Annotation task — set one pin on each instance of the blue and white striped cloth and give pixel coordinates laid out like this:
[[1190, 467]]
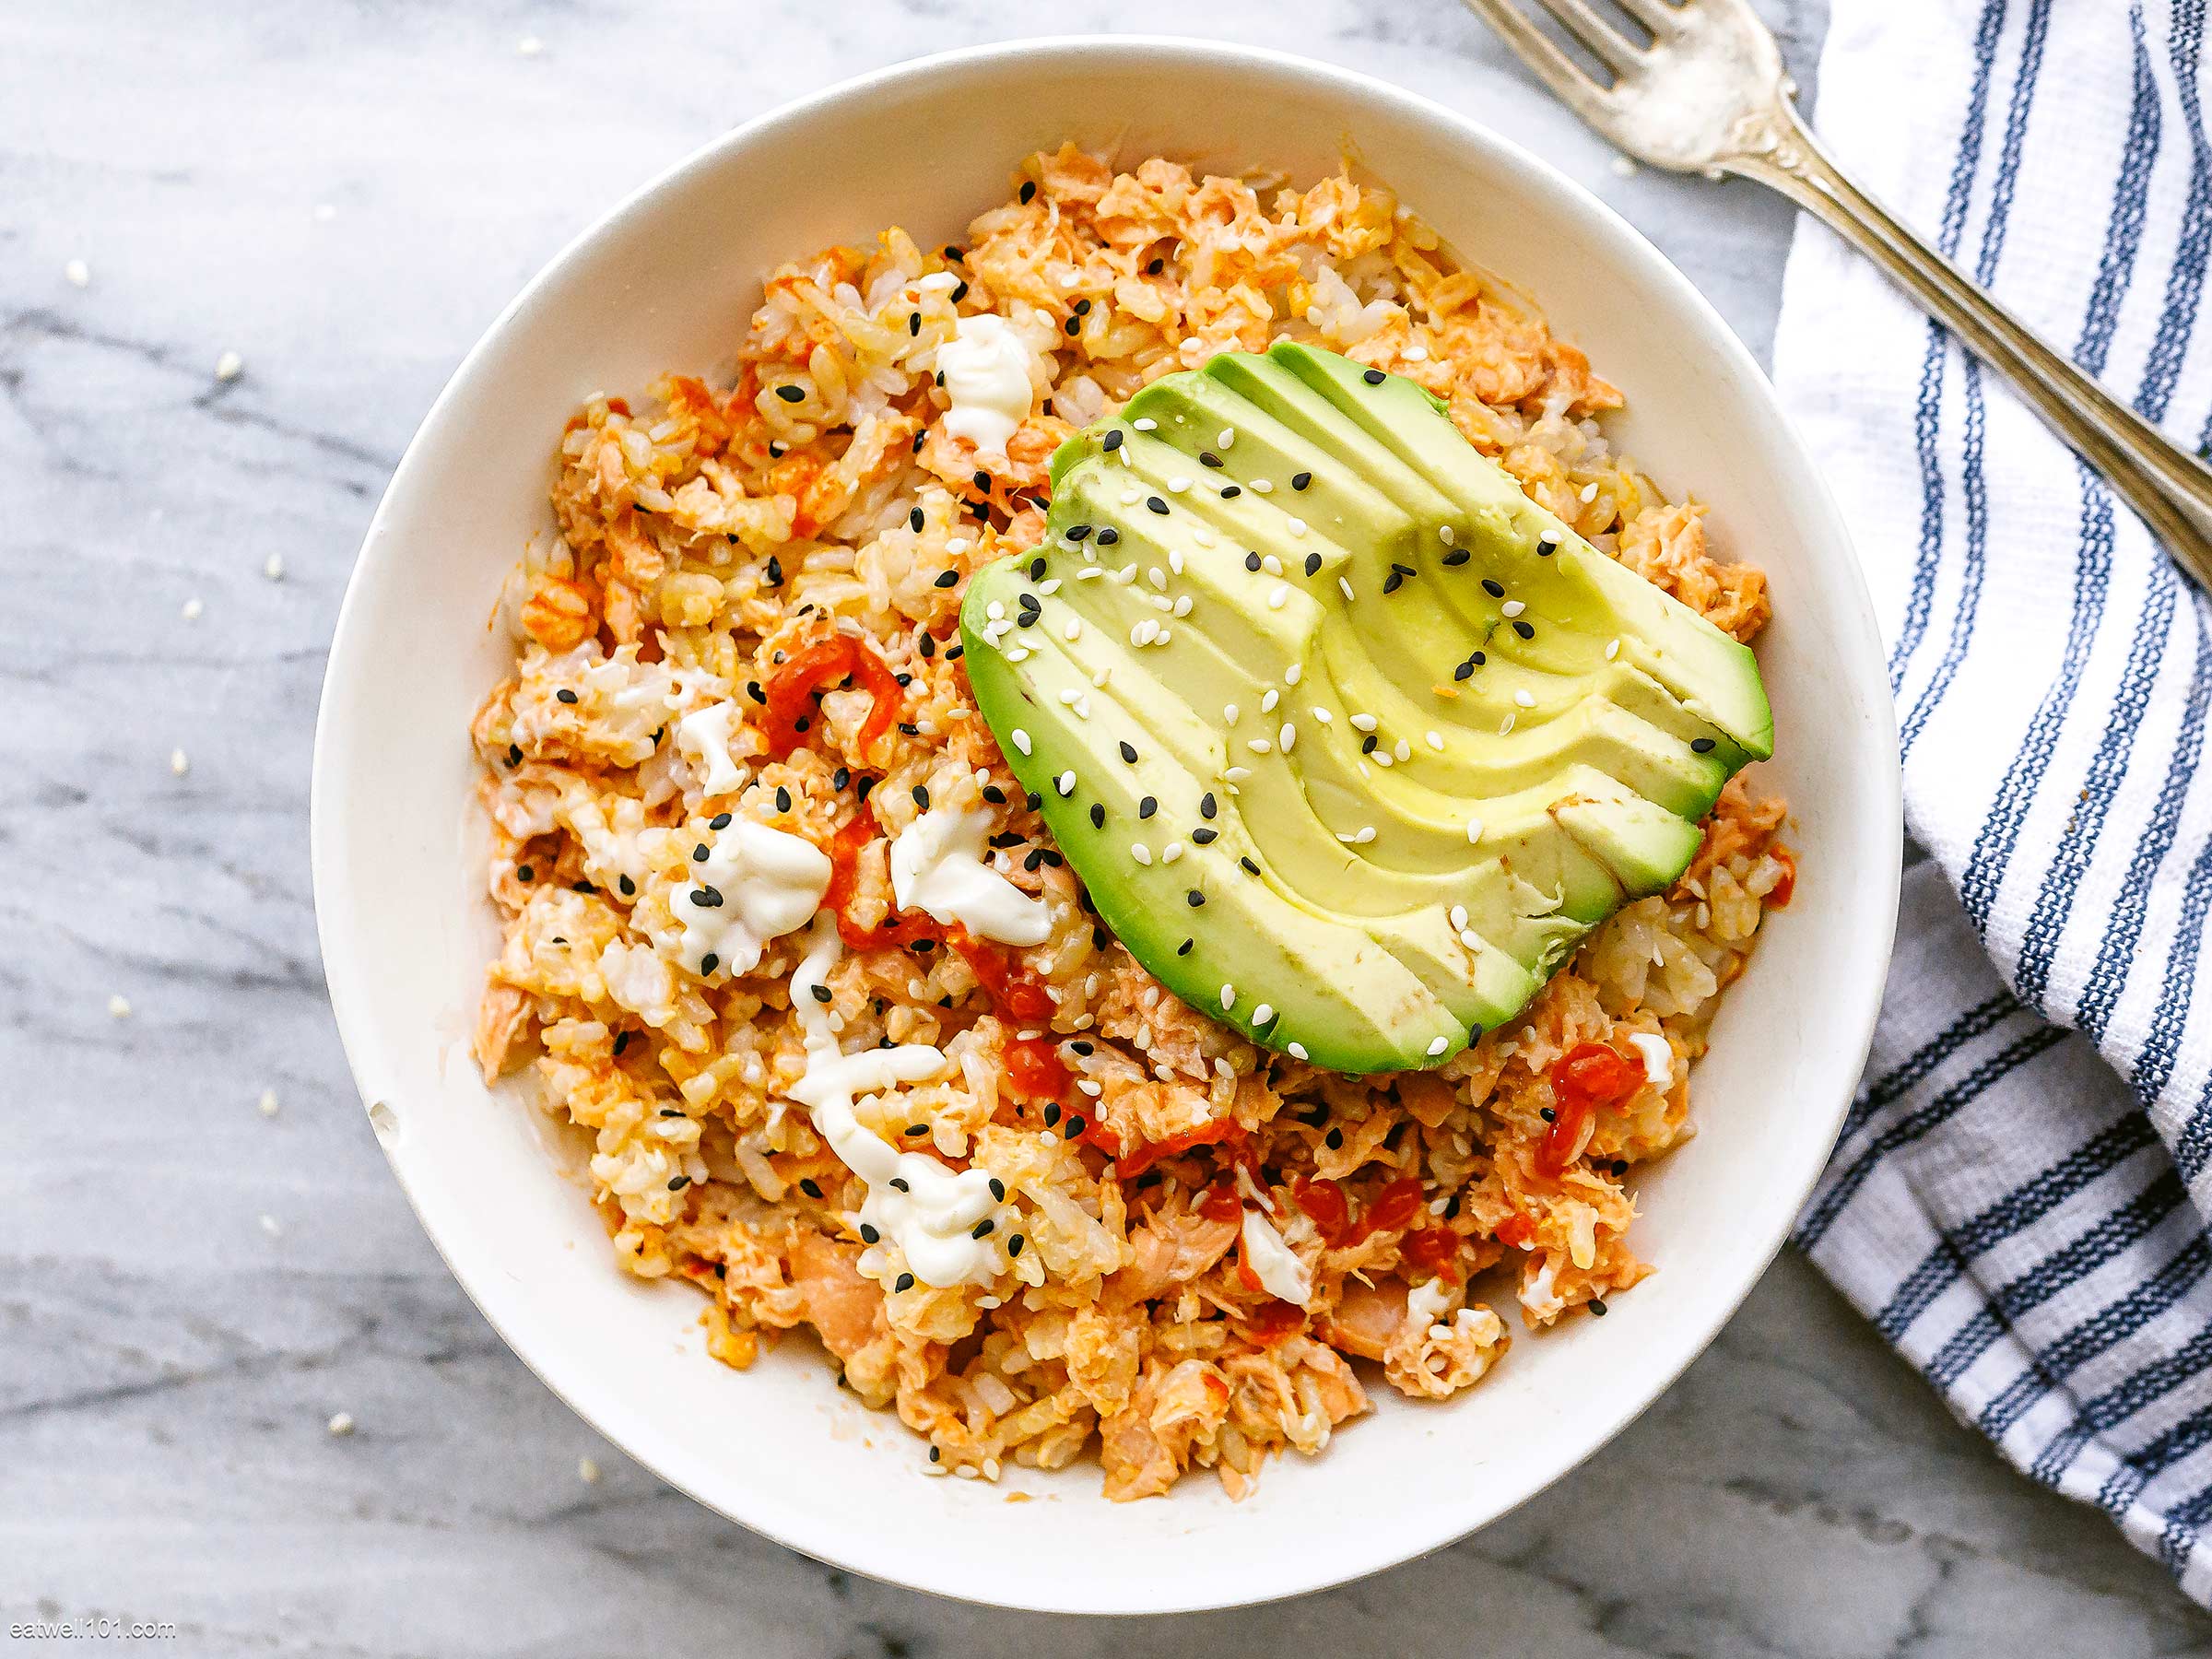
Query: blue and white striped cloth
[[2019, 1206]]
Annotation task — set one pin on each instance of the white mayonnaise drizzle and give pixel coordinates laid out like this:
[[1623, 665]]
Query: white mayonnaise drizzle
[[704, 736], [986, 371], [1425, 1303], [1273, 1263], [933, 1213], [758, 884], [1658, 1059], [938, 865]]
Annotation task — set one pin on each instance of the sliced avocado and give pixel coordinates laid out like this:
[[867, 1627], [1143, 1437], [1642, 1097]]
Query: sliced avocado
[[1349, 740]]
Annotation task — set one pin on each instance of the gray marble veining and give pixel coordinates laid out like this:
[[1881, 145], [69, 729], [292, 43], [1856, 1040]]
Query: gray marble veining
[[190, 1289]]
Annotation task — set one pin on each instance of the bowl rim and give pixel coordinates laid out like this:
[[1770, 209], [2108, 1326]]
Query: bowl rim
[[1861, 647]]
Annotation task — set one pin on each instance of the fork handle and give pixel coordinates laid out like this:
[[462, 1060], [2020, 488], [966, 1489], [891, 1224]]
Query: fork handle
[[2170, 488]]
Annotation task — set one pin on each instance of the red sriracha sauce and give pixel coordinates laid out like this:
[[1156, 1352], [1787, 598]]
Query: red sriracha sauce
[[1435, 1250], [1323, 1200], [1585, 1077], [817, 667], [1034, 1069]]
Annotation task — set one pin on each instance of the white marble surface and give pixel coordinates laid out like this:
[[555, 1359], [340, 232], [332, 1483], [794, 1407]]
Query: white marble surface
[[344, 196]]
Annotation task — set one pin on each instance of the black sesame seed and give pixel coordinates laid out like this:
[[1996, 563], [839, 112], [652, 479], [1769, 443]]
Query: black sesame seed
[[998, 1189], [1035, 858], [699, 854], [630, 887], [1462, 671], [1367, 744], [1547, 1114], [900, 1182], [1033, 800], [1250, 867], [1374, 377], [915, 521], [708, 963], [1206, 806], [1097, 816], [775, 572], [1074, 325], [960, 292], [1312, 564], [906, 1282], [916, 1129], [1076, 533], [514, 753], [782, 799], [822, 992], [1128, 752], [524, 872], [1028, 618], [1156, 504], [677, 1183], [1493, 587], [808, 1185], [983, 1229], [1029, 190], [1403, 570], [1458, 555], [1154, 267], [1051, 857], [1013, 1245], [1252, 561], [913, 322], [1208, 458], [947, 578], [921, 438], [1112, 442], [927, 643], [1524, 630], [1075, 1125], [840, 777], [1147, 806], [801, 723], [1051, 1114], [1230, 492], [1597, 1306], [1620, 1166], [1082, 1047], [906, 727], [752, 689], [1299, 480], [1703, 745], [953, 253], [1479, 659], [792, 394], [1194, 898], [1036, 570], [865, 785], [707, 898], [1546, 547], [994, 794], [566, 695], [1393, 583], [868, 1235], [1109, 535], [1333, 1139], [777, 451], [1184, 948], [982, 482], [721, 820], [621, 1043], [1202, 836]]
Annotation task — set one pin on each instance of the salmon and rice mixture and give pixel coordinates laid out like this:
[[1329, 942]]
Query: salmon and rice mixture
[[738, 674]]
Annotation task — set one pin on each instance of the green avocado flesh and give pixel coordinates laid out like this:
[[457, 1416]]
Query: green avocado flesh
[[1349, 740]]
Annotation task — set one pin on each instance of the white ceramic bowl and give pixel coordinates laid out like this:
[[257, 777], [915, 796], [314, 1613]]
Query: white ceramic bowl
[[668, 280]]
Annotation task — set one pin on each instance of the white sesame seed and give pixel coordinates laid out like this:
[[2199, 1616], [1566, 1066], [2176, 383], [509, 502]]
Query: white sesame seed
[[193, 608], [1237, 774], [1228, 996], [1170, 853], [1286, 737], [1367, 834], [1161, 638], [1402, 749], [1176, 486], [1364, 722], [1182, 605], [1345, 584], [272, 567], [1590, 491], [1296, 525], [1142, 854], [956, 545], [1444, 534], [1297, 1051], [1145, 424], [1263, 1014], [1157, 578], [1290, 674], [1439, 1046], [1228, 439], [1065, 784], [1132, 496], [1459, 916], [119, 1008], [1048, 587], [1088, 573], [1474, 830], [1021, 739], [1259, 745], [1046, 318], [1068, 697], [1098, 680], [1074, 630], [1321, 715], [1436, 740], [1382, 758], [1415, 353], [1203, 536], [178, 762], [1512, 607], [1268, 699], [1524, 698], [1344, 835], [1612, 649], [994, 610], [1278, 595], [1230, 712], [587, 1471], [1175, 560], [267, 1103], [1141, 632], [1505, 725], [230, 366], [1091, 1086], [1261, 486], [1471, 939], [77, 273], [1160, 602]]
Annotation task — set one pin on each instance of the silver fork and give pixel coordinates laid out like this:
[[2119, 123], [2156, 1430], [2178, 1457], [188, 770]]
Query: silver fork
[[1708, 95]]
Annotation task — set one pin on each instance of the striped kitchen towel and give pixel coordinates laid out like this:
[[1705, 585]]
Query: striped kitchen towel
[[2023, 1220]]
